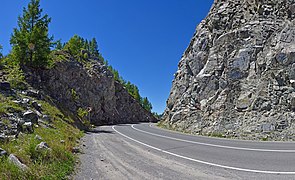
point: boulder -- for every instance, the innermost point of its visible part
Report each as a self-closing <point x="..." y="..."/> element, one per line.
<point x="33" y="93"/>
<point x="46" y="118"/>
<point x="30" y="116"/>
<point x="42" y="146"/>
<point x="76" y="150"/>
<point x="3" y="152"/>
<point x="37" y="106"/>
<point x="244" y="101"/>
<point x="266" y="106"/>
<point x="39" y="138"/>
<point x="27" y="127"/>
<point x="13" y="159"/>
<point x="3" y="138"/>
<point x="267" y="127"/>
<point x="25" y="101"/>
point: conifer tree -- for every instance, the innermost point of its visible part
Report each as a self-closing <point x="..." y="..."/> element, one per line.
<point x="93" y="47"/>
<point x="59" y="45"/>
<point x="146" y="104"/>
<point x="86" y="45"/>
<point x="30" y="41"/>
<point x="75" y="45"/>
<point x="1" y="55"/>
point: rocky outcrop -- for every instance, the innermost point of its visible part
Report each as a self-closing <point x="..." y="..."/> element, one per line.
<point x="237" y="77"/>
<point x="79" y="86"/>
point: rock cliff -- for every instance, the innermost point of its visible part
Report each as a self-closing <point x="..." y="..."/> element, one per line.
<point x="77" y="86"/>
<point x="237" y="76"/>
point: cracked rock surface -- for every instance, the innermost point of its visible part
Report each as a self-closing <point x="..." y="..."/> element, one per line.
<point x="237" y="76"/>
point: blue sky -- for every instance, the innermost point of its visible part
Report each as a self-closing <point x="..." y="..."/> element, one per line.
<point x="143" y="39"/>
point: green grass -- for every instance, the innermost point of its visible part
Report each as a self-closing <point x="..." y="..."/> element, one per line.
<point x="264" y="139"/>
<point x="10" y="171"/>
<point x="218" y="135"/>
<point x="8" y="106"/>
<point x="55" y="164"/>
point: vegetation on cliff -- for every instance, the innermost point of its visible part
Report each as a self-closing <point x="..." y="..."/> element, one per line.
<point x="53" y="127"/>
<point x="81" y="48"/>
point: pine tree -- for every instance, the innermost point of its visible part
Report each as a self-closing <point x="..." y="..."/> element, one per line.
<point x="30" y="41"/>
<point x="146" y="104"/>
<point x="59" y="45"/>
<point x="93" y="47"/>
<point x="75" y="45"/>
<point x="136" y="94"/>
<point x="1" y="55"/>
<point x="86" y="45"/>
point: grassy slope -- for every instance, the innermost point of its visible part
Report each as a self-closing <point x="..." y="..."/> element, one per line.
<point x="61" y="138"/>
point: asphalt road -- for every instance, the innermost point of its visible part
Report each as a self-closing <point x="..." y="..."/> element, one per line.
<point x="143" y="151"/>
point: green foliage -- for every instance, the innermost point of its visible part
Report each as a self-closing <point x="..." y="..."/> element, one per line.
<point x="1" y="55"/>
<point x="264" y="139"/>
<point x="30" y="41"/>
<point x="217" y="134"/>
<point x="16" y="77"/>
<point x="157" y="116"/>
<point x="85" y="56"/>
<point x="133" y="90"/>
<point x="146" y="104"/>
<point x="59" y="45"/>
<point x="93" y="47"/>
<point x="117" y="77"/>
<point x="74" y="95"/>
<point x="82" y="113"/>
<point x="75" y="45"/>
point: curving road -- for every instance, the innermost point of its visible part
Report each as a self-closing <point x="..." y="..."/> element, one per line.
<point x="169" y="155"/>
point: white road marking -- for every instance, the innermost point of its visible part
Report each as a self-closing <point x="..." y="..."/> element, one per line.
<point x="204" y="162"/>
<point x="214" y="145"/>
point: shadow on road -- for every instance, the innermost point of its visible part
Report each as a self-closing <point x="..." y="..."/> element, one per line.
<point x="97" y="131"/>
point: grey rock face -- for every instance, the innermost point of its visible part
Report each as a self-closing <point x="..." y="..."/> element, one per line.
<point x="75" y="86"/>
<point x="238" y="73"/>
